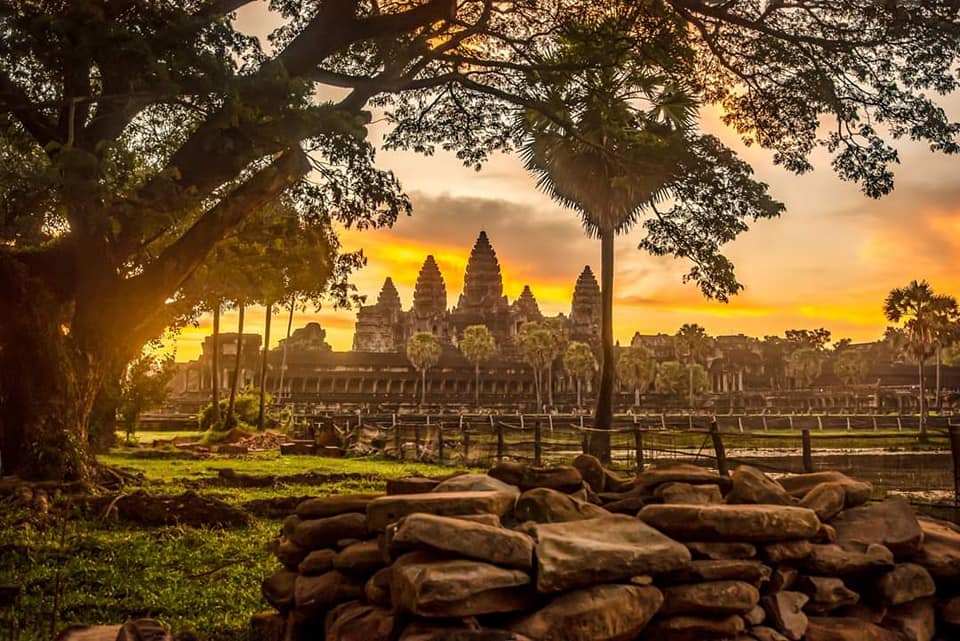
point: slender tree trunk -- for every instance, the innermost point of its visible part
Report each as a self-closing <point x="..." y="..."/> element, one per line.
<point x="690" y="382"/>
<point x="599" y="443"/>
<point x="235" y="381"/>
<point x="923" y="403"/>
<point x="537" y="388"/>
<point x="939" y="398"/>
<point x="550" y="385"/>
<point x="579" y="397"/>
<point x="423" y="387"/>
<point x="476" y="384"/>
<point x="636" y="397"/>
<point x="263" y="367"/>
<point x="283" y="360"/>
<point x="215" y="365"/>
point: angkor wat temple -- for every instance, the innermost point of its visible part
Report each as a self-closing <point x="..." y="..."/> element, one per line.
<point x="375" y="374"/>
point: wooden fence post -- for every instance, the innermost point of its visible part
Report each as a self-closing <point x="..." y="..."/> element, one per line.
<point x="807" y="451"/>
<point x="638" y="444"/>
<point x="955" y="452"/>
<point x="718" y="448"/>
<point x="397" y="443"/>
<point x="537" y="445"/>
<point x="499" y="442"/>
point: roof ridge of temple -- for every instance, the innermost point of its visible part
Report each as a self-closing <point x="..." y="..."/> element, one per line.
<point x="430" y="293"/>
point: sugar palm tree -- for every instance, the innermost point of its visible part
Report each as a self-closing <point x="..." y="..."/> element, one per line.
<point x="637" y="368"/>
<point x="539" y="348"/>
<point x="423" y="351"/>
<point x="477" y="345"/>
<point x="691" y="344"/>
<point x="923" y="312"/>
<point x="580" y="363"/>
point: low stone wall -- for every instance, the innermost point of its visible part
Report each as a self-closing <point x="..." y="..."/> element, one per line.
<point x="576" y="553"/>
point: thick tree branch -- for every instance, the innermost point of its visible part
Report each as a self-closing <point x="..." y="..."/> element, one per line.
<point x="13" y="99"/>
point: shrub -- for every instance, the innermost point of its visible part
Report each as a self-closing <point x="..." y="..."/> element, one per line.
<point x="245" y="411"/>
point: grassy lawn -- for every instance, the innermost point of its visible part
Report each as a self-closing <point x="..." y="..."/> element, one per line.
<point x="204" y="580"/>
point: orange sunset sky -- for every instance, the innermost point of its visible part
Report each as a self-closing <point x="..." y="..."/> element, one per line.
<point x="829" y="261"/>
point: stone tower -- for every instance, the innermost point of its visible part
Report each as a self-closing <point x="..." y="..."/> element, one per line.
<point x="380" y="327"/>
<point x="525" y="308"/>
<point x="482" y="282"/>
<point x="429" y="313"/>
<point x="585" y="311"/>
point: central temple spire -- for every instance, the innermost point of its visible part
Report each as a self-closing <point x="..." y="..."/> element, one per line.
<point x="430" y="293"/>
<point x="482" y="282"/>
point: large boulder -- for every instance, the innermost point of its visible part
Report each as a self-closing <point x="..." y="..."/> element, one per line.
<point x="688" y="494"/>
<point x="436" y="631"/>
<point x="848" y="559"/>
<point x="359" y="558"/>
<point x="847" y="629"/>
<point x="427" y="586"/>
<point x="827" y="593"/>
<point x="785" y="613"/>
<point x="721" y="550"/>
<point x="544" y="505"/>
<point x="915" y="621"/>
<point x="753" y="572"/>
<point x="826" y="499"/>
<point x="599" y="478"/>
<point x="387" y="509"/>
<point x="290" y="554"/>
<point x="598" y="613"/>
<point x="355" y="621"/>
<point x="904" y="583"/>
<point x="646" y="481"/>
<point x="316" y="534"/>
<point x="761" y="523"/>
<point x="526" y="477"/>
<point x="854" y="492"/>
<point x="751" y="486"/>
<point x="474" y="483"/>
<point x="472" y="540"/>
<point x="694" y="628"/>
<point x="314" y="595"/>
<point x="787" y="551"/>
<point x="891" y="523"/>
<point x="712" y="597"/>
<point x="317" y="562"/>
<point x="940" y="552"/>
<point x="606" y="549"/>
<point x="322" y="507"/>
<point x="277" y="589"/>
<point x="411" y="485"/>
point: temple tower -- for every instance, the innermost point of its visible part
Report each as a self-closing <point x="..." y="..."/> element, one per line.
<point x="585" y="311"/>
<point x="379" y="327"/>
<point x="482" y="282"/>
<point x="389" y="298"/>
<point x="430" y="293"/>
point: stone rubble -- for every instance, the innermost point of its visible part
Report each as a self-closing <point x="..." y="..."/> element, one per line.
<point x="577" y="553"/>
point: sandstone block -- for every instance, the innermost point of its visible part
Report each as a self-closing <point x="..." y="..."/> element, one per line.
<point x="355" y="621"/>
<point x="712" y="597"/>
<point x="322" y="507"/>
<point x="750" y="523"/>
<point x="387" y="509"/>
<point x="316" y="534"/>
<point x="891" y="523"/>
<point x="463" y="538"/>
<point x="904" y="583"/>
<point x="751" y="486"/>
<point x="544" y="505"/>
<point x="688" y="494"/>
<point x="826" y="499"/>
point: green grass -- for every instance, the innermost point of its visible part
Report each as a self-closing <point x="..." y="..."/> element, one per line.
<point x="205" y="580"/>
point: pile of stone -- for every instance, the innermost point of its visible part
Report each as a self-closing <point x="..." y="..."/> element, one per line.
<point x="678" y="553"/>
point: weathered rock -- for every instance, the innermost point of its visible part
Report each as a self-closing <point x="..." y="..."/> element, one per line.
<point x="428" y="586"/>
<point x="692" y="628"/>
<point x="527" y="477"/>
<point x="606" y="549"/>
<point x="290" y="554"/>
<point x="484" y="519"/>
<point x="787" y="551"/>
<point x="277" y="589"/>
<point x="755" y="616"/>
<point x="851" y="558"/>
<point x="472" y="540"/>
<point x="475" y="483"/>
<point x="826" y="499"/>
<point x="510" y="472"/>
<point x="860" y="610"/>
<point x="721" y="551"/>
<point x="314" y="595"/>
<point x="411" y="485"/>
<point x="317" y="534"/>
<point x="290" y="524"/>
<point x="846" y="629"/>
<point x="628" y="503"/>
<point x="420" y="631"/>
<point x="904" y="583"/>
<point x="598" y="613"/>
<point x="360" y="558"/>
<point x="377" y="588"/>
<point x="345" y="543"/>
<point x="712" y="597"/>
<point x="592" y="472"/>
<point x="752" y="572"/>
<point x="385" y="510"/>
<point x="688" y="494"/>
<point x="355" y="621"/>
<point x="940" y="551"/>
<point x="854" y="492"/>
<point x="891" y="523"/>
<point x="782" y="578"/>
<point x="544" y="505"/>
<point x="915" y="621"/>
<point x="647" y="480"/>
<point x="826" y="534"/>
<point x="785" y="612"/>
<point x="827" y="593"/>
<point x="751" y="486"/>
<point x="950" y="611"/>
<point x="763" y="633"/>
<point x="761" y="523"/>
<point x="317" y="562"/>
<point x="266" y="626"/>
<point x="322" y="507"/>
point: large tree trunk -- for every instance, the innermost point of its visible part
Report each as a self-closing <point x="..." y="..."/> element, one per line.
<point x="923" y="403"/>
<point x="599" y="442"/>
<point x="636" y="396"/>
<point x="263" y="367"/>
<point x="283" y="359"/>
<point x="229" y="421"/>
<point x="215" y="366"/>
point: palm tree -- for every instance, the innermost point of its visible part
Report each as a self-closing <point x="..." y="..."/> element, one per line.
<point x="609" y="162"/>
<point x="804" y="365"/>
<point x="423" y="351"/>
<point x="923" y="313"/>
<point x="637" y="368"/>
<point x="539" y="348"/>
<point x="851" y="366"/>
<point x="558" y="330"/>
<point x="580" y="363"/>
<point x="228" y="420"/>
<point x="477" y="345"/>
<point x="691" y="346"/>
